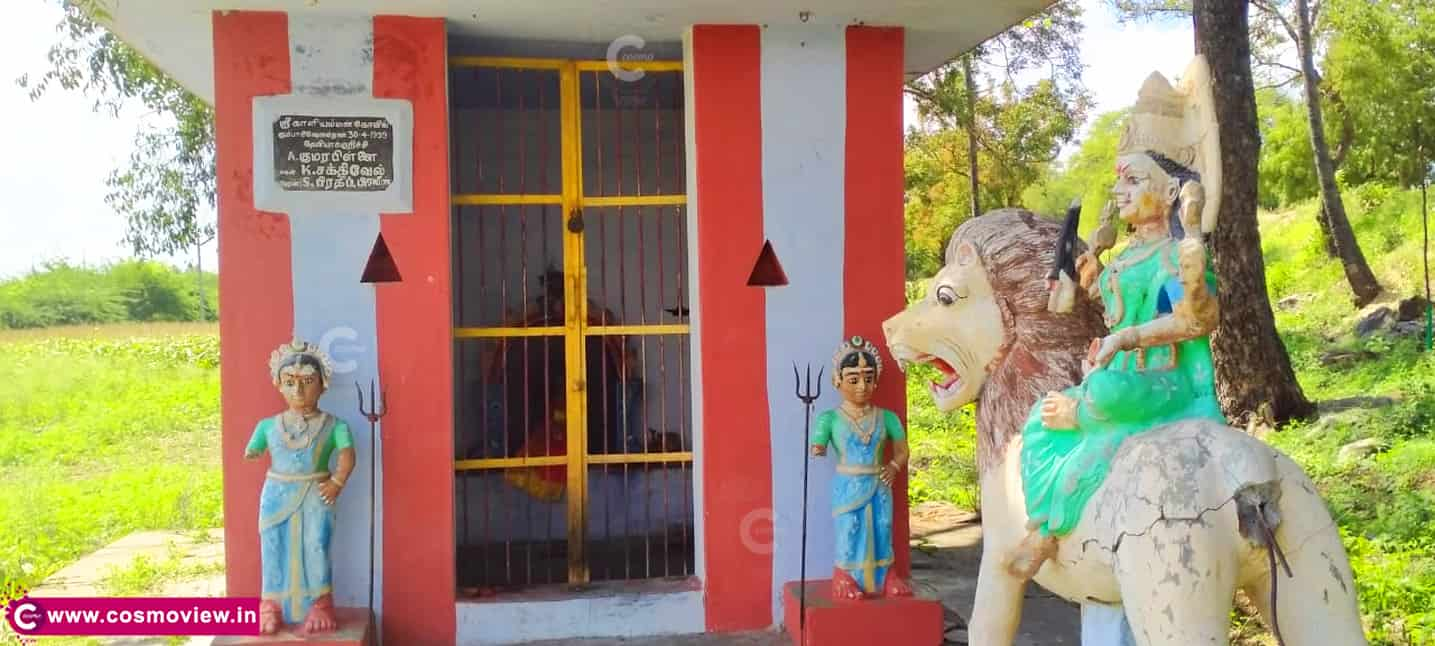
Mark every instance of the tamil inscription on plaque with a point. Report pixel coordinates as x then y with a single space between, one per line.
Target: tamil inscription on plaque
326 153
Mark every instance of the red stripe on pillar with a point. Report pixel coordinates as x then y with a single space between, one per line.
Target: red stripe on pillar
737 484
251 58
416 348
875 266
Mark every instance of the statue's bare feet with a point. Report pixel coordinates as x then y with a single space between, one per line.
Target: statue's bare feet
896 587
1030 554
844 587
1058 412
271 616
321 616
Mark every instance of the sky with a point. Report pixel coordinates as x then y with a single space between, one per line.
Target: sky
60 151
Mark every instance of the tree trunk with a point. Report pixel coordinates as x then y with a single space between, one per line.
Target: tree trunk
1253 371
971 130
1326 236
1357 272
199 280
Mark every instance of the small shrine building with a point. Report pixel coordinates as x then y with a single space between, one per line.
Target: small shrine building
539 229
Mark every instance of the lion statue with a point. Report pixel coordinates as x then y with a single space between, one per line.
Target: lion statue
1190 511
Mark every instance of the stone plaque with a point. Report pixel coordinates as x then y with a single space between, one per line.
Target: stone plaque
333 153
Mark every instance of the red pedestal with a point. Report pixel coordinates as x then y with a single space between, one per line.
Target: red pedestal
356 628
896 620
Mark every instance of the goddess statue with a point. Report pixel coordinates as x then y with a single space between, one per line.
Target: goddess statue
296 505
1159 301
862 486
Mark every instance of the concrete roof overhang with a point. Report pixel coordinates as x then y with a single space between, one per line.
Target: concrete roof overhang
177 34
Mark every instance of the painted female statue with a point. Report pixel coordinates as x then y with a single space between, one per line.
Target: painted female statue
1159 301
862 486
296 505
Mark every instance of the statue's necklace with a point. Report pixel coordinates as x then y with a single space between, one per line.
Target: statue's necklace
303 430
1133 255
863 426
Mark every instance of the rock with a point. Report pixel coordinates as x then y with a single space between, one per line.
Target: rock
1343 358
1374 321
1290 302
1360 448
1412 309
1408 328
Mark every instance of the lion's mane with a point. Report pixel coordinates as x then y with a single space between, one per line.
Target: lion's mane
1016 248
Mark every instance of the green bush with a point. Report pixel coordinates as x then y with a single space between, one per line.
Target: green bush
132 290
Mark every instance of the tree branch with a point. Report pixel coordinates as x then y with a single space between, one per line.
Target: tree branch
1282 84
1273 63
1270 10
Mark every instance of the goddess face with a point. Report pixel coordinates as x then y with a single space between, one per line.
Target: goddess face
857 383
1143 191
301 386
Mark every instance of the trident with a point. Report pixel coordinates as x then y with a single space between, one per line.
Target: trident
374 411
807 394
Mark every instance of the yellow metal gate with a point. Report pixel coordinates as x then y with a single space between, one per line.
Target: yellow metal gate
572 398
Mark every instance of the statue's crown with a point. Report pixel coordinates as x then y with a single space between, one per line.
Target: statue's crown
1178 122
850 346
1158 122
298 347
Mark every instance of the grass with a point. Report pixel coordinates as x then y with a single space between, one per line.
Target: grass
104 431
147 576
1384 503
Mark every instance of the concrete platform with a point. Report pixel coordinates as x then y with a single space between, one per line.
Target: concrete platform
356 628
911 621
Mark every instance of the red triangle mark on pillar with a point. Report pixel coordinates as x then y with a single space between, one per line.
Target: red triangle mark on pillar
381 267
767 271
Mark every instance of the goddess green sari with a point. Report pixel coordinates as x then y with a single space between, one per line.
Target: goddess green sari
1137 391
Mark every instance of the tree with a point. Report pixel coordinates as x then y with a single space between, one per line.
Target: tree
1287 176
1279 22
1019 132
168 186
1252 366
1089 173
983 119
1381 63
1337 224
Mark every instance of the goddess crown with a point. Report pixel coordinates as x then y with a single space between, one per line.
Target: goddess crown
299 347
1179 124
853 345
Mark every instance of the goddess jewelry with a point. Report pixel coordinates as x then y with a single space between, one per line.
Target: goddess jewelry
1134 254
303 435
863 426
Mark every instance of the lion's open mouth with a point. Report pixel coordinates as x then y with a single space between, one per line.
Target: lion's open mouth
948 383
